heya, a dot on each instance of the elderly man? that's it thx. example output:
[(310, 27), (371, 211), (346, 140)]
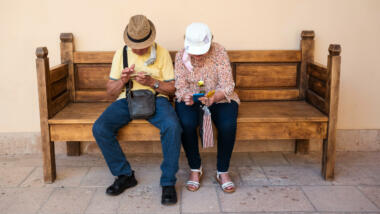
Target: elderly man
[(150, 68)]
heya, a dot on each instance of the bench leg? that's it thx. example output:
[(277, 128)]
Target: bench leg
[(328, 158), (302, 146), (48, 161), (73, 148)]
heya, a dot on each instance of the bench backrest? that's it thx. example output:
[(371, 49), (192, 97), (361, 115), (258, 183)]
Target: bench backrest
[(259, 74)]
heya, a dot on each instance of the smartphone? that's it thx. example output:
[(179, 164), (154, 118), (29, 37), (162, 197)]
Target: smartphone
[(197, 96)]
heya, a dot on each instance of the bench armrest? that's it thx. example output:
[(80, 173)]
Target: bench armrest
[(323, 82), (52, 85)]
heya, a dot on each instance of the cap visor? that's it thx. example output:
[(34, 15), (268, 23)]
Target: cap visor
[(197, 49)]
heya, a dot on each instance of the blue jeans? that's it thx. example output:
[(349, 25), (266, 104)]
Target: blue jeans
[(224, 116), (116, 116)]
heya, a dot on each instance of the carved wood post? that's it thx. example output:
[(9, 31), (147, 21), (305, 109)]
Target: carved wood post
[(332, 98), (307, 52), (43, 78), (67, 57)]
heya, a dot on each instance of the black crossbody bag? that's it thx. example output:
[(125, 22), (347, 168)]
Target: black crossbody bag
[(141, 103)]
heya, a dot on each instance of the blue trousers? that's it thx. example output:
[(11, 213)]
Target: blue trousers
[(116, 116), (224, 116)]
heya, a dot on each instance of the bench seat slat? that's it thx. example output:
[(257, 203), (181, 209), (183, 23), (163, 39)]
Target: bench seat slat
[(249, 112)]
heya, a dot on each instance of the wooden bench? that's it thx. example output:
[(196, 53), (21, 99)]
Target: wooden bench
[(284, 94)]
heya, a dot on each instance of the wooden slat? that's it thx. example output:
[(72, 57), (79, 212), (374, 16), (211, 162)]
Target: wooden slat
[(307, 52), (265, 56), (266, 75), (267, 94), (317, 71), (316, 101), (58, 88), (317, 86), (59, 103), (58, 72), (93, 56), (83, 132), (249, 112), (92, 96), (235, 56), (92, 76), (245, 131), (293, 130)]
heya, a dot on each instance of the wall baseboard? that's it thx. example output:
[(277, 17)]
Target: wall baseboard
[(347, 140)]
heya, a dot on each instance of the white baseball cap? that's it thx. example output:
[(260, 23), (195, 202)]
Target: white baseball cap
[(197, 39)]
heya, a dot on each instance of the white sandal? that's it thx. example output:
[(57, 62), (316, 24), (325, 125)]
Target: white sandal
[(195, 184), (225, 185)]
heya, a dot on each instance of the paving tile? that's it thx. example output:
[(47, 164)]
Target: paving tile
[(21, 160), (205, 200), (66, 176), (265, 199), (146, 199), (22, 200), (357, 175), (241, 159), (300, 159), (144, 160), (84, 160), (358, 158), (148, 175), (269, 158), (295, 175), (12, 176), (253, 175), (372, 193), (68, 201), (338, 198), (101, 203), (99, 176)]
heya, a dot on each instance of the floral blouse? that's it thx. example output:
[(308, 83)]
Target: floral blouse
[(213, 68)]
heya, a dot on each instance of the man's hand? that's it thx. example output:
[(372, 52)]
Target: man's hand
[(188, 99), (126, 73), (208, 101), (144, 79)]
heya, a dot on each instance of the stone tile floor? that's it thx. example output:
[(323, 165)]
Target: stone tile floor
[(272, 182)]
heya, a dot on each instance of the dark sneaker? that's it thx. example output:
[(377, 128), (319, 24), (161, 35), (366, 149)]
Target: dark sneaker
[(169, 195), (122, 183)]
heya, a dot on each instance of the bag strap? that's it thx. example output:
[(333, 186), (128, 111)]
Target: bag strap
[(125, 65)]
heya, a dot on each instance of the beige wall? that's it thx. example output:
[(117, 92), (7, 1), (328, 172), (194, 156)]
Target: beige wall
[(239, 24)]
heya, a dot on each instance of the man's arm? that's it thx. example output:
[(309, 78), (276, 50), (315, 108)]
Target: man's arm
[(114, 87), (166, 88)]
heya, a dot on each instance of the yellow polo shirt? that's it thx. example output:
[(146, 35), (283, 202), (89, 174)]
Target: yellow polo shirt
[(161, 69)]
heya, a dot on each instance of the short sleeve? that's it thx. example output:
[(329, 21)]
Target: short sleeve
[(167, 65), (117, 65)]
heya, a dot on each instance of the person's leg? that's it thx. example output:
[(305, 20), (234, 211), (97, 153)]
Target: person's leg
[(189, 118), (105, 130), (224, 116), (167, 121)]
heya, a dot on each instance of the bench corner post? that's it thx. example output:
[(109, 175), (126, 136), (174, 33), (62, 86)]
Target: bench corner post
[(67, 57), (307, 55), (43, 78), (332, 100)]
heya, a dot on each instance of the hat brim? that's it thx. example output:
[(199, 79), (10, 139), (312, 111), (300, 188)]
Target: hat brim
[(197, 49), (140, 45)]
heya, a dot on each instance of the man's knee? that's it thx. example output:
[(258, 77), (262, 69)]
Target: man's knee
[(99, 129)]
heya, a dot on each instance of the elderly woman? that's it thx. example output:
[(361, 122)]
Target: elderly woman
[(204, 66)]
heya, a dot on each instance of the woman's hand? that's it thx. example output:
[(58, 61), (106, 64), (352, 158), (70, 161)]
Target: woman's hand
[(208, 101), (126, 73), (188, 99)]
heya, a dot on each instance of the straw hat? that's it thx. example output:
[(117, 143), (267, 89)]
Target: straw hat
[(139, 33)]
